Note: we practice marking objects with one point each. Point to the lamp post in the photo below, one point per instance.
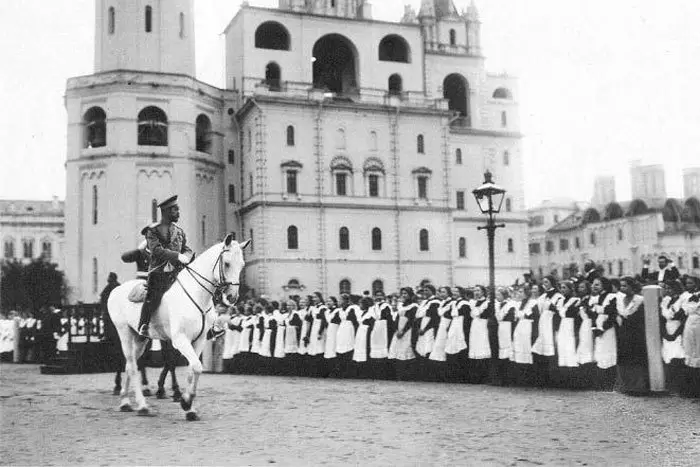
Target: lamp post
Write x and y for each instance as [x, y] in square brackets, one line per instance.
[489, 197]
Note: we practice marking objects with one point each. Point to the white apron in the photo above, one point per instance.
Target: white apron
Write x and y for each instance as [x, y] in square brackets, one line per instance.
[566, 337]
[345, 341]
[479, 347]
[439, 353]
[331, 334]
[291, 335]
[400, 348]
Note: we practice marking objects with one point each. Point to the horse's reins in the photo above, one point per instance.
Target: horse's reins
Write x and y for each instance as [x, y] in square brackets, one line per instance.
[217, 287]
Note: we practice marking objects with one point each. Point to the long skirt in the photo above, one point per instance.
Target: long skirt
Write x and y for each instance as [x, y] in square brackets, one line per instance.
[584, 352]
[605, 351]
[331, 340]
[360, 350]
[400, 348]
[438, 354]
[632, 379]
[231, 343]
[505, 340]
[379, 347]
[291, 340]
[672, 349]
[544, 345]
[303, 348]
[244, 341]
[280, 352]
[456, 340]
[691, 341]
[425, 343]
[345, 341]
[479, 347]
[266, 344]
[255, 345]
[566, 344]
[522, 342]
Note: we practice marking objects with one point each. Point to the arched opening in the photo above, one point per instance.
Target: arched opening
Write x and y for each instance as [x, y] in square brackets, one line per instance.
[453, 37]
[149, 19]
[152, 127]
[290, 135]
[394, 48]
[182, 25]
[344, 238]
[458, 157]
[420, 144]
[95, 128]
[345, 287]
[395, 84]
[203, 134]
[455, 89]
[334, 65]
[424, 240]
[509, 205]
[377, 287]
[506, 158]
[9, 248]
[462, 247]
[376, 239]
[637, 207]
[613, 211]
[502, 93]
[510, 245]
[292, 238]
[273, 76]
[272, 35]
[111, 20]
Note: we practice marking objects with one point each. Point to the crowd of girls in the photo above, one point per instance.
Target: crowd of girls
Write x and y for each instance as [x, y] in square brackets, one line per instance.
[569, 334]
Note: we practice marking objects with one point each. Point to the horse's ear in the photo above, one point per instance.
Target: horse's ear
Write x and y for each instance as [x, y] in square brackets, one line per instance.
[245, 244]
[228, 239]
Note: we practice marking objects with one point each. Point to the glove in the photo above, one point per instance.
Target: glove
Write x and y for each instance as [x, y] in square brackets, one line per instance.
[183, 259]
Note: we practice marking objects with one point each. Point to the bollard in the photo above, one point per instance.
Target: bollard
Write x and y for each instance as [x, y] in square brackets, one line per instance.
[652, 298]
[16, 341]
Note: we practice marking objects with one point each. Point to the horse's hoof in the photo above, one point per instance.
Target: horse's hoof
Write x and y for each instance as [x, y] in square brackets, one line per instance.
[186, 402]
[177, 396]
[147, 392]
[191, 417]
[125, 408]
[143, 411]
[160, 394]
[116, 391]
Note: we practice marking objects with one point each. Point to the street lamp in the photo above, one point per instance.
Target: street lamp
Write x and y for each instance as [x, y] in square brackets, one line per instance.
[489, 197]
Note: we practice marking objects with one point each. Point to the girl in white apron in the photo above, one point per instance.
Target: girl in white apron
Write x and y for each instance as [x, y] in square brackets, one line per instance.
[233, 335]
[445, 318]
[505, 315]
[525, 333]
[428, 315]
[401, 348]
[456, 348]
[347, 327]
[605, 343]
[672, 319]
[584, 350]
[333, 320]
[360, 352]
[292, 337]
[568, 311]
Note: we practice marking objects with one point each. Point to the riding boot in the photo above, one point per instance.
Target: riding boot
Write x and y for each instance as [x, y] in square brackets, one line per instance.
[145, 318]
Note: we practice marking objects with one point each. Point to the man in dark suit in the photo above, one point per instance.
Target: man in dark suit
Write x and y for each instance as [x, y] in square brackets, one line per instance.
[667, 272]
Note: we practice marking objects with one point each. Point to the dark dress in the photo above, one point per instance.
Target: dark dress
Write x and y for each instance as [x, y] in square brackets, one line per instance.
[632, 363]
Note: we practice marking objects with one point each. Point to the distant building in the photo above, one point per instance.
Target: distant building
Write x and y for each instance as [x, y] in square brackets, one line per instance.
[603, 190]
[32, 229]
[691, 182]
[647, 181]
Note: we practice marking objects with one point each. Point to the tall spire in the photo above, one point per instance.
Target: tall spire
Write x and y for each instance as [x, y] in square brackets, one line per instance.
[445, 8]
[472, 12]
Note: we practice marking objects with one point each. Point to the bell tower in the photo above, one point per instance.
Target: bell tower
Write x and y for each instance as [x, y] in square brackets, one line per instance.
[145, 35]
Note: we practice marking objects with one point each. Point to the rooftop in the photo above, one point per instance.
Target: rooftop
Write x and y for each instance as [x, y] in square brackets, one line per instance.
[20, 207]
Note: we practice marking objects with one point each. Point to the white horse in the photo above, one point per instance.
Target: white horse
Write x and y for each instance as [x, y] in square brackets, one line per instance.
[184, 315]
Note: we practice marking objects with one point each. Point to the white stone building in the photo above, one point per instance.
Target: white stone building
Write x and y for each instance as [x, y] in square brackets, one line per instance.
[31, 230]
[345, 147]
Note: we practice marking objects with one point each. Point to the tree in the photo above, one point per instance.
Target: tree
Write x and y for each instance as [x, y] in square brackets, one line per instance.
[31, 286]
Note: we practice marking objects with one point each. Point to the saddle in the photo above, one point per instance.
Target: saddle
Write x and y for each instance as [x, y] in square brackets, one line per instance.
[138, 293]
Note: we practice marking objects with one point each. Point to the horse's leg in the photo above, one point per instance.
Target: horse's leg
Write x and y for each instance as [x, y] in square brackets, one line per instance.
[117, 382]
[181, 343]
[139, 345]
[128, 349]
[160, 393]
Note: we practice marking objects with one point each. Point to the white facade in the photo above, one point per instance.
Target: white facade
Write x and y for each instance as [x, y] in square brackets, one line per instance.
[603, 190]
[380, 131]
[691, 182]
[648, 181]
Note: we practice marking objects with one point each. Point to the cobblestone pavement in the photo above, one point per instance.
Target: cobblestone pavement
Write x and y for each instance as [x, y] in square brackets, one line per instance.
[59, 420]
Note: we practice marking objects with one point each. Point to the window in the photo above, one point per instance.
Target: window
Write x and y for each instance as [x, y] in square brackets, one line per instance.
[460, 200]
[94, 205]
[610, 268]
[182, 25]
[619, 234]
[680, 262]
[290, 135]
[394, 48]
[272, 35]
[203, 134]
[504, 119]
[154, 210]
[292, 238]
[696, 262]
[111, 20]
[395, 84]
[506, 158]
[510, 246]
[592, 238]
[231, 156]
[204, 230]
[420, 143]
[509, 206]
[94, 275]
[535, 248]
[549, 246]
[252, 244]
[344, 287]
[376, 239]
[250, 140]
[95, 128]
[374, 145]
[423, 240]
[620, 268]
[458, 157]
[563, 244]
[273, 76]
[377, 287]
[455, 89]
[462, 247]
[231, 193]
[341, 180]
[250, 184]
[423, 187]
[9, 249]
[152, 127]
[453, 37]
[291, 182]
[344, 238]
[577, 242]
[340, 139]
[149, 19]
[502, 93]
[373, 180]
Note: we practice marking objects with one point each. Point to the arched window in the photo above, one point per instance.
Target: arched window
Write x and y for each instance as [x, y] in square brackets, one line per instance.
[203, 134]
[149, 19]
[394, 48]
[510, 245]
[292, 238]
[111, 20]
[28, 248]
[154, 210]
[455, 89]
[94, 205]
[340, 139]
[335, 65]
[95, 128]
[376, 239]
[344, 238]
[272, 35]
[395, 84]
[462, 247]
[420, 143]
[377, 287]
[458, 157]
[423, 239]
[504, 119]
[152, 127]
[273, 76]
[94, 275]
[345, 287]
[290, 135]
[182, 25]
[9, 248]
[374, 144]
[508, 205]
[502, 93]
[506, 158]
[231, 156]
[453, 37]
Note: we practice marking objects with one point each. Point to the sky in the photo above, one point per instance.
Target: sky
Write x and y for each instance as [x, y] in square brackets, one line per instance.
[601, 83]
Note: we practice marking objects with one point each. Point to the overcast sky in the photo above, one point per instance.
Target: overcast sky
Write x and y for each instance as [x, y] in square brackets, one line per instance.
[602, 82]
